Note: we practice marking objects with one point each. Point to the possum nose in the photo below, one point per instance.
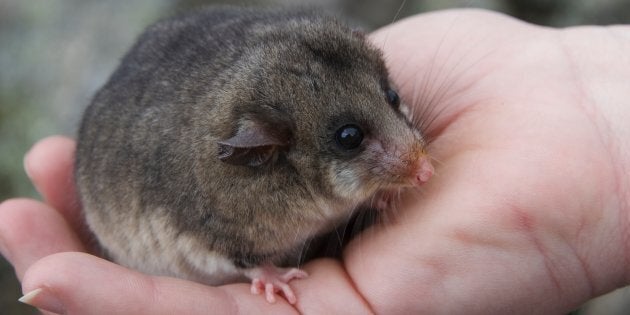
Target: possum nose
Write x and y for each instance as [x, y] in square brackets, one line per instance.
[424, 171]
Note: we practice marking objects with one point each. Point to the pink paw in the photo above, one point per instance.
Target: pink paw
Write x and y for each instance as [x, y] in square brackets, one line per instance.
[384, 200]
[272, 279]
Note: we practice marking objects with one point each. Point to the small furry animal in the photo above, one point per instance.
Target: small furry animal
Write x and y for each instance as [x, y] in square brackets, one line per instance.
[229, 137]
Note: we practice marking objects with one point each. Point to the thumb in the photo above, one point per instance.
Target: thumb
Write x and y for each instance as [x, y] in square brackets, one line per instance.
[78, 283]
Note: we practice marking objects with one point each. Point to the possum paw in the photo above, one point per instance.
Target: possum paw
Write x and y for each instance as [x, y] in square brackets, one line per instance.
[271, 279]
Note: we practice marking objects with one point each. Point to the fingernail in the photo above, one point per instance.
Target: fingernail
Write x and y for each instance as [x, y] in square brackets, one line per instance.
[44, 300]
[27, 170]
[25, 164]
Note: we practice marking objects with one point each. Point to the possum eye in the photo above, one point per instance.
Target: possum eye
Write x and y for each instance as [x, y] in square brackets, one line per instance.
[392, 98]
[349, 137]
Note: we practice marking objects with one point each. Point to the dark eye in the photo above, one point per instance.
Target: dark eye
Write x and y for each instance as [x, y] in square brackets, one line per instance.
[392, 98]
[349, 137]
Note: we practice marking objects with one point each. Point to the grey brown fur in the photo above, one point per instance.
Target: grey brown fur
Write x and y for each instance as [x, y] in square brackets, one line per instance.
[167, 178]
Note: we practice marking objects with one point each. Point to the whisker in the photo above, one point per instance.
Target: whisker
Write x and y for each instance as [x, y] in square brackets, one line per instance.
[303, 251]
[394, 20]
[425, 120]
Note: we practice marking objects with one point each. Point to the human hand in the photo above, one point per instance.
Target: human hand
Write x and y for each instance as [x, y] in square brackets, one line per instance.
[527, 213]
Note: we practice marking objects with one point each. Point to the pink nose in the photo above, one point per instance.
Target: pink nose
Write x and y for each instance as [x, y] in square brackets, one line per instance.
[424, 171]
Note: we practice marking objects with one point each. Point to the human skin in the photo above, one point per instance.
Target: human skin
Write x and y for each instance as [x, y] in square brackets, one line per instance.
[528, 212]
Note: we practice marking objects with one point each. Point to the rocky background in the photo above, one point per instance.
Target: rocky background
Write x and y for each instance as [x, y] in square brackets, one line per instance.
[54, 54]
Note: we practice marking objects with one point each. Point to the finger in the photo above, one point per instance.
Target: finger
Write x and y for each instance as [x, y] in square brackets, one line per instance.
[30, 230]
[327, 289]
[78, 283]
[49, 164]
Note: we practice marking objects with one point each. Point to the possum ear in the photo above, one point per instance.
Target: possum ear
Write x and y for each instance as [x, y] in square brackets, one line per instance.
[253, 144]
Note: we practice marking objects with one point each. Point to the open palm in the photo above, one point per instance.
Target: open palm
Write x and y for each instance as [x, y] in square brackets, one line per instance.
[528, 211]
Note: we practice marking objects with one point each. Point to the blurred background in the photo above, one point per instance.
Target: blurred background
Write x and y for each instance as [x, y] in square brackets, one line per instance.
[54, 54]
